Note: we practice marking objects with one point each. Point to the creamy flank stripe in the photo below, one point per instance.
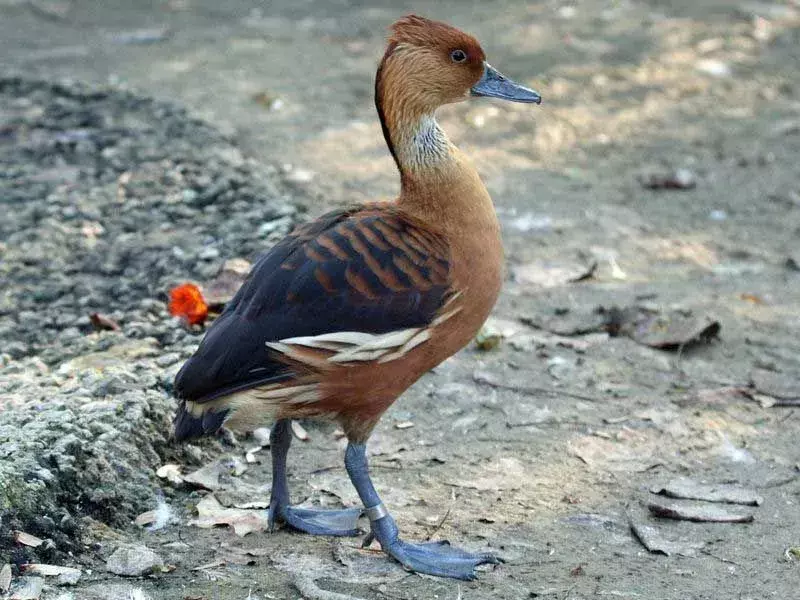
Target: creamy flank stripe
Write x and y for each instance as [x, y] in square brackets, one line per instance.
[342, 347]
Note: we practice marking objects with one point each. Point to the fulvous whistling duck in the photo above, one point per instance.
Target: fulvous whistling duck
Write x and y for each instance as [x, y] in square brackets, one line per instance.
[344, 314]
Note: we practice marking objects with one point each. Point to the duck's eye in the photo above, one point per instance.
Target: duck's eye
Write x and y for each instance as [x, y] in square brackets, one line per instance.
[458, 56]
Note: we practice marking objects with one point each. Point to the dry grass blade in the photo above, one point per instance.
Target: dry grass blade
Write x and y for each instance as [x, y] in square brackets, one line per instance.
[444, 518]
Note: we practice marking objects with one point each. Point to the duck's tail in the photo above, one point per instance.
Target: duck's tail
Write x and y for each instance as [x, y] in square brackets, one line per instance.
[191, 423]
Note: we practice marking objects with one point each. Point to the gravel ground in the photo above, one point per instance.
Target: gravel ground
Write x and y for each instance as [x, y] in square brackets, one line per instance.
[109, 199]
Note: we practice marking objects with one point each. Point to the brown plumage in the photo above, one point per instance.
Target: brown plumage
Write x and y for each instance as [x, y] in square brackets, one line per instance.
[342, 316]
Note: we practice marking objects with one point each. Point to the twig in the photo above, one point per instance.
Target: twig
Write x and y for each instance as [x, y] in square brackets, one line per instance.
[530, 390]
[444, 518]
[719, 558]
[544, 422]
[311, 591]
[780, 482]
[374, 466]
[787, 402]
[52, 12]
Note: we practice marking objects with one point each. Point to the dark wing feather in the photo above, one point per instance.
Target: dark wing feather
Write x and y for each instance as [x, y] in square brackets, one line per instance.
[371, 270]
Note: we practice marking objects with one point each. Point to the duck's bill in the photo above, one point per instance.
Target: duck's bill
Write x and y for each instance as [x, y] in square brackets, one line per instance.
[494, 84]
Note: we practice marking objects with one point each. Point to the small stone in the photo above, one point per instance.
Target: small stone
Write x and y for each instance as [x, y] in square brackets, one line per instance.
[261, 436]
[29, 588]
[69, 577]
[300, 176]
[5, 578]
[208, 253]
[269, 227]
[168, 359]
[713, 67]
[133, 561]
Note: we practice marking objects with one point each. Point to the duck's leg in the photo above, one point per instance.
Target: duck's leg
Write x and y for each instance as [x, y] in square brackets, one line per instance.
[433, 558]
[316, 522]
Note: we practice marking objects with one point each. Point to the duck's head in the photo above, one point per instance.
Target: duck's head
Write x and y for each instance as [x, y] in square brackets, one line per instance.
[431, 63]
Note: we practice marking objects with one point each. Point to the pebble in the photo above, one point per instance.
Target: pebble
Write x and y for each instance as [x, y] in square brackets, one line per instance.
[133, 561]
[261, 436]
[208, 253]
[28, 588]
[713, 67]
[165, 360]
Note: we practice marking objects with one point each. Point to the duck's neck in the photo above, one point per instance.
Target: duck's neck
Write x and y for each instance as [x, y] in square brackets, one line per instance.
[438, 182]
[417, 143]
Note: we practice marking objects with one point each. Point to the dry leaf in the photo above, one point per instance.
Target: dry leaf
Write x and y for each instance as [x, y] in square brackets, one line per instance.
[567, 322]
[212, 476]
[103, 323]
[146, 518]
[207, 566]
[300, 432]
[212, 514]
[49, 570]
[691, 490]
[26, 539]
[171, 473]
[699, 512]
[652, 539]
[667, 330]
[547, 275]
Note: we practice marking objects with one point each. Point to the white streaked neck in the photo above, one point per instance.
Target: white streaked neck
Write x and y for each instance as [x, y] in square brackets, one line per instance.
[422, 145]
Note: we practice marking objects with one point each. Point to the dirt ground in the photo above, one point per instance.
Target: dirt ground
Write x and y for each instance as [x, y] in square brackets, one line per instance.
[545, 448]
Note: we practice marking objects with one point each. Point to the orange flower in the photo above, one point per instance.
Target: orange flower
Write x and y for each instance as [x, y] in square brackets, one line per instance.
[187, 301]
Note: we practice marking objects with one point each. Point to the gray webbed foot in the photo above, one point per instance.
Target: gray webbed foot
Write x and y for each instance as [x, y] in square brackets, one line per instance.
[342, 522]
[439, 558]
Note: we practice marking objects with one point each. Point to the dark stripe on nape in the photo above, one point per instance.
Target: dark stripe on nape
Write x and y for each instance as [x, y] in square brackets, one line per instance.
[379, 105]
